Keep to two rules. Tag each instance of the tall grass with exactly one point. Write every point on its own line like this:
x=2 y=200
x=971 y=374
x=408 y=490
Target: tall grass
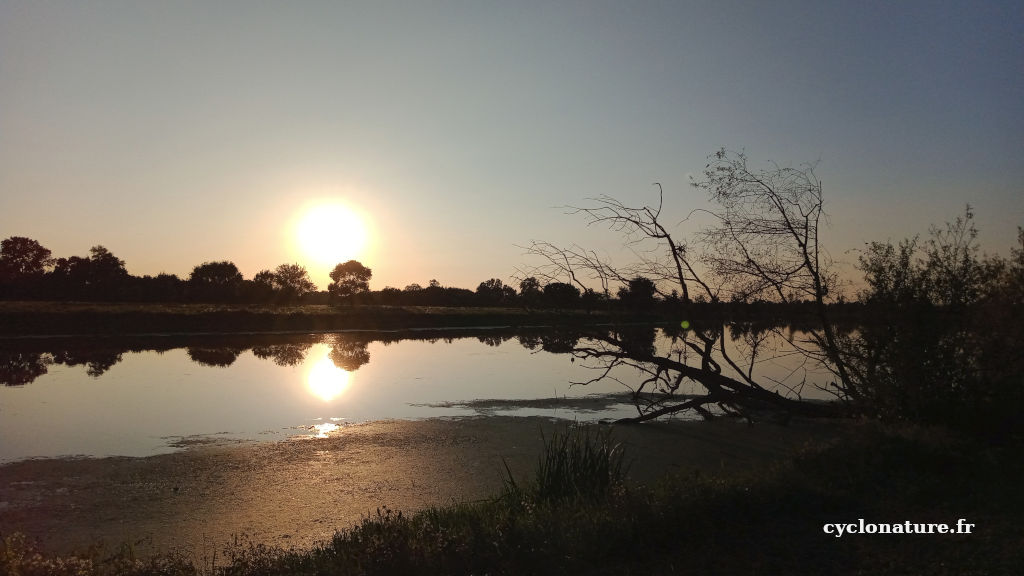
x=579 y=461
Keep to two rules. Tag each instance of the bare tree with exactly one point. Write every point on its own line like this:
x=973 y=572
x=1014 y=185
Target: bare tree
x=763 y=243
x=660 y=256
x=767 y=242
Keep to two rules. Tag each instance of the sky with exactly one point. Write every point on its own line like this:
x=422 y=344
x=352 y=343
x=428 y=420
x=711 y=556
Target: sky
x=175 y=133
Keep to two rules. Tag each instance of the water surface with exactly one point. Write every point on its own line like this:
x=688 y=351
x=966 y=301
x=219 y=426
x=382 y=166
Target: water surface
x=154 y=394
x=154 y=400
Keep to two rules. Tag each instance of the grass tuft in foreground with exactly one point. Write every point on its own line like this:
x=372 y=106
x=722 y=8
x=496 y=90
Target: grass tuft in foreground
x=578 y=462
x=576 y=516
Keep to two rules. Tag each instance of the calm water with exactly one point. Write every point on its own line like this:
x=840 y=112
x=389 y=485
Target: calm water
x=151 y=395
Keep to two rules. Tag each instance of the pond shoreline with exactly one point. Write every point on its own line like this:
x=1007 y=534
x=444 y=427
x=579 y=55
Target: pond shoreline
x=40 y=318
x=81 y=318
x=297 y=492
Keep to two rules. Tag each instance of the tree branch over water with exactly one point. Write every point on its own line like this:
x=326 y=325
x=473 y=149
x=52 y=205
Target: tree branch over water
x=763 y=244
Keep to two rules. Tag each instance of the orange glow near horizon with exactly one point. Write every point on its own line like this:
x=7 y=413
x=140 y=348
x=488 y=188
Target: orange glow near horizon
x=326 y=381
x=328 y=233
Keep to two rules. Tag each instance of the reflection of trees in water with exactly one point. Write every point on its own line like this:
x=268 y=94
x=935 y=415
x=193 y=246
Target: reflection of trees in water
x=559 y=342
x=550 y=340
x=636 y=339
x=493 y=339
x=218 y=357
x=349 y=354
x=530 y=341
x=693 y=369
x=283 y=354
x=20 y=368
x=96 y=362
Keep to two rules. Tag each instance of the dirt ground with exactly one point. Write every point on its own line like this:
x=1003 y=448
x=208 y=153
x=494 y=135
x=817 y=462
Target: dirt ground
x=297 y=492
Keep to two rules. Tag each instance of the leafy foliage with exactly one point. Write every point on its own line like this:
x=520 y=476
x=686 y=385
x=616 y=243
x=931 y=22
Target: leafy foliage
x=349 y=279
x=561 y=295
x=292 y=280
x=942 y=344
x=21 y=257
x=494 y=292
x=215 y=281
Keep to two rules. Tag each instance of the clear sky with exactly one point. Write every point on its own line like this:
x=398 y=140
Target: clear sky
x=175 y=133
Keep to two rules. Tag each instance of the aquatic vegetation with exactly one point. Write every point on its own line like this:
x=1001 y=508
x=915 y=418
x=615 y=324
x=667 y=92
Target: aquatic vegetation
x=761 y=521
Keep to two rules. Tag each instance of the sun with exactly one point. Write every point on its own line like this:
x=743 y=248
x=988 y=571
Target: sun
x=329 y=233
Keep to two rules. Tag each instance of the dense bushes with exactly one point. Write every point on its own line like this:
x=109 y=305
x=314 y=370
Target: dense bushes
x=942 y=342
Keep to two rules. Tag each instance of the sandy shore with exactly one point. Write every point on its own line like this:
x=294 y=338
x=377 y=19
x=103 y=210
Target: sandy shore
x=297 y=492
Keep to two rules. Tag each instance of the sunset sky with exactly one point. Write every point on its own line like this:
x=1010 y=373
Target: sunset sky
x=175 y=133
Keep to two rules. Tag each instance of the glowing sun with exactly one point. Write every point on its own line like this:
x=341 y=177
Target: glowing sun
x=330 y=233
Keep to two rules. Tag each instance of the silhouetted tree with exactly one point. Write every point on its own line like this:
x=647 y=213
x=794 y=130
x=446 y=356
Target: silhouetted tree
x=70 y=277
x=265 y=278
x=638 y=292
x=218 y=281
x=106 y=266
x=561 y=295
x=161 y=288
x=261 y=288
x=22 y=264
x=763 y=244
x=21 y=257
x=101 y=276
x=530 y=291
x=953 y=271
x=349 y=279
x=389 y=295
x=591 y=299
x=495 y=292
x=1004 y=279
x=292 y=281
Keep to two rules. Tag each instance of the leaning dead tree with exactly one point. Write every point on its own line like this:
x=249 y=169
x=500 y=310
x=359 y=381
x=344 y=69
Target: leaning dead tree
x=762 y=243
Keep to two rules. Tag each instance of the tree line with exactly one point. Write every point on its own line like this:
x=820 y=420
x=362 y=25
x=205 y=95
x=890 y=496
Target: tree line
x=28 y=271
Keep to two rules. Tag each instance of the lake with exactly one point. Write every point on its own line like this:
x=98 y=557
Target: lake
x=146 y=395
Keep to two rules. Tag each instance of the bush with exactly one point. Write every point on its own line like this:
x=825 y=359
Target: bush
x=941 y=343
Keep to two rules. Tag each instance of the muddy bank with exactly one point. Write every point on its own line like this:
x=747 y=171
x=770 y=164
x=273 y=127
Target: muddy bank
x=297 y=492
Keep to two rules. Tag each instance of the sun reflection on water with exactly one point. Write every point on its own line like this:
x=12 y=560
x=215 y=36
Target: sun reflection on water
x=326 y=381
x=324 y=430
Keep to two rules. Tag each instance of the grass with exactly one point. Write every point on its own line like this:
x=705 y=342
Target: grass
x=577 y=463
x=577 y=515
